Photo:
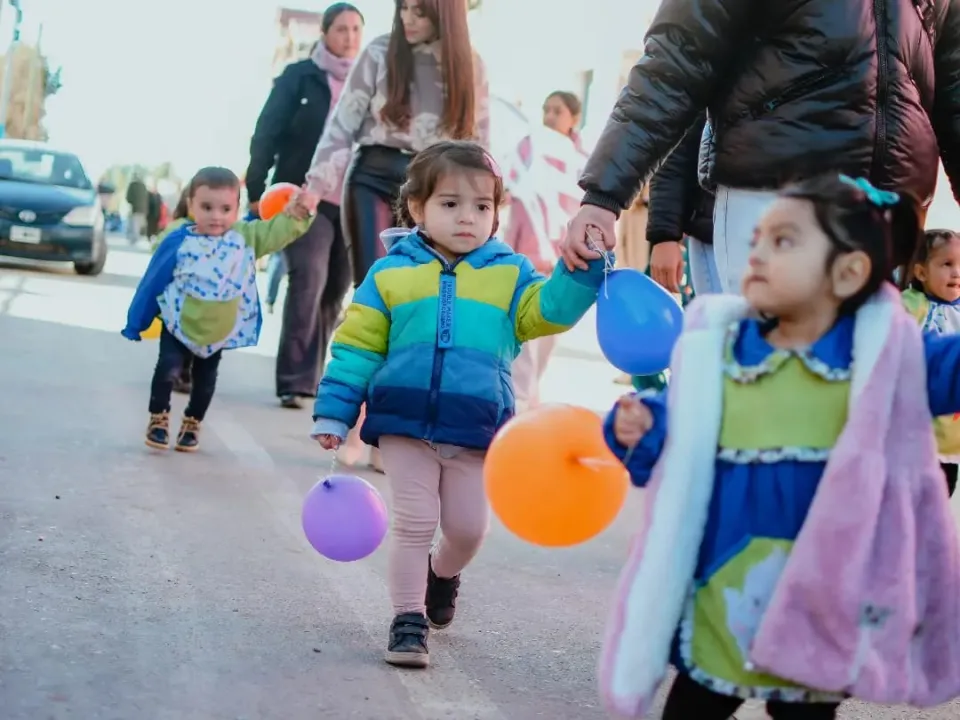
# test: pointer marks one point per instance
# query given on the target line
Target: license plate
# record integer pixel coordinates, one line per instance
(21, 234)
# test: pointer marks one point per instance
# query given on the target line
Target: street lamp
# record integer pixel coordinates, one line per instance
(8, 68)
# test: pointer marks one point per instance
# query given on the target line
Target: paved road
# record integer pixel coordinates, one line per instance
(148, 586)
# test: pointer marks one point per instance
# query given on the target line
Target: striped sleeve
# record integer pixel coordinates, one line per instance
(548, 306)
(359, 349)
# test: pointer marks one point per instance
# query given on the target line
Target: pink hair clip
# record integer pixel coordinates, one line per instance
(493, 165)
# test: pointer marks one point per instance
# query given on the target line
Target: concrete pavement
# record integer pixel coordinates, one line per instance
(139, 585)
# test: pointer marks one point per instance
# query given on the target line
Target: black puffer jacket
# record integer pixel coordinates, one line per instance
(793, 88)
(289, 127)
(678, 205)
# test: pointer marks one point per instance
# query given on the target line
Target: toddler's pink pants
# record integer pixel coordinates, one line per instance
(430, 486)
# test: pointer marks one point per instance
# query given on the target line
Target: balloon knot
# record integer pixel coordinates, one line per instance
(327, 484)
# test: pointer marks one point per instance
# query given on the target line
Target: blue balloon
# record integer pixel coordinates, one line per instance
(638, 323)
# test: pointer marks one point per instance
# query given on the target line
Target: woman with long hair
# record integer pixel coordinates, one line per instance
(289, 128)
(418, 85)
(542, 180)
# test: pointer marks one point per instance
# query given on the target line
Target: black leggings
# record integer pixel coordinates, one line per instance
(689, 700)
(371, 190)
(170, 364)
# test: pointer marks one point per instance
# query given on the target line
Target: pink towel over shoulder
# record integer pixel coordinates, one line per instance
(869, 602)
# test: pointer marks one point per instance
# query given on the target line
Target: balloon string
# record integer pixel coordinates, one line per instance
(608, 263)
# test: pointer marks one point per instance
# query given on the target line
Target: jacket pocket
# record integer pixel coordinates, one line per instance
(208, 322)
(795, 91)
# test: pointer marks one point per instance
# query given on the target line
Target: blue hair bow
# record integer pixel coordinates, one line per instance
(880, 198)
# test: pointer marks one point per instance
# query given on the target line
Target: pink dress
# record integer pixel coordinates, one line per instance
(542, 182)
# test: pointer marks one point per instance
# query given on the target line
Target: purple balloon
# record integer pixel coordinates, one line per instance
(344, 518)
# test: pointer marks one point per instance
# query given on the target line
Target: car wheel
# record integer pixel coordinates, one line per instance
(94, 267)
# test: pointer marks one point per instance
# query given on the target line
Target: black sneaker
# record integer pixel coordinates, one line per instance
(291, 402)
(407, 646)
(188, 439)
(158, 431)
(441, 598)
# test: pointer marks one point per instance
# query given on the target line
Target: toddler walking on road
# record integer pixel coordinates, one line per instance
(201, 282)
(428, 343)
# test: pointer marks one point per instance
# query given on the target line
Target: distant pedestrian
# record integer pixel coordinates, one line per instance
(138, 198)
(290, 125)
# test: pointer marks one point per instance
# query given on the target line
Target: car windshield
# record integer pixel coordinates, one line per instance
(45, 167)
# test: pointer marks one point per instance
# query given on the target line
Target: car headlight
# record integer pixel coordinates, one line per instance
(84, 216)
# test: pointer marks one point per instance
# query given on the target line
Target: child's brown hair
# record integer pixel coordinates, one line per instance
(430, 165)
(213, 177)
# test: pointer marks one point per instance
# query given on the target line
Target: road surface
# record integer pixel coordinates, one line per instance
(139, 585)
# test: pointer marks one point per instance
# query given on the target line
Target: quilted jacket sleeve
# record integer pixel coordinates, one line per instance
(687, 51)
(946, 106)
(272, 123)
(674, 188)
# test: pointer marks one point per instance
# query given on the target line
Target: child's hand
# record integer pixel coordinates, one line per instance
(303, 205)
(328, 442)
(632, 421)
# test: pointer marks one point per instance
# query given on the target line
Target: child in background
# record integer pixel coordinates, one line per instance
(804, 404)
(201, 281)
(428, 343)
(932, 296)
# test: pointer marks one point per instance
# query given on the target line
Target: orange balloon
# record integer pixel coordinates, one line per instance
(275, 199)
(551, 479)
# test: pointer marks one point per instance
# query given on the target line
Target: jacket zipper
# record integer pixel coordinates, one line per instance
(791, 93)
(880, 20)
(445, 301)
(794, 92)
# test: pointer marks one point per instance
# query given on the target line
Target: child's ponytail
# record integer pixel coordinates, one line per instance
(906, 234)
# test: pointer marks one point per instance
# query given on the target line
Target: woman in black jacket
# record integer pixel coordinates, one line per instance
(795, 88)
(680, 208)
(287, 132)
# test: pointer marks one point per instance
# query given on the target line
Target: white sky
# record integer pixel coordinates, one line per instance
(148, 81)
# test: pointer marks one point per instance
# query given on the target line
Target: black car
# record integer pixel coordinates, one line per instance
(49, 209)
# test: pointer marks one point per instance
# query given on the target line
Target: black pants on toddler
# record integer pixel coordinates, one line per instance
(170, 362)
(950, 472)
(689, 700)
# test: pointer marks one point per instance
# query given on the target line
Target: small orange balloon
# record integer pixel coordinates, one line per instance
(275, 199)
(551, 479)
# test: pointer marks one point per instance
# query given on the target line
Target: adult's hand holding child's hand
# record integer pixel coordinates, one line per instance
(591, 226)
(632, 421)
(303, 204)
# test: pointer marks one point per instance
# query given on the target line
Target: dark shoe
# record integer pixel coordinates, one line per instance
(188, 439)
(181, 386)
(407, 646)
(158, 431)
(441, 599)
(291, 402)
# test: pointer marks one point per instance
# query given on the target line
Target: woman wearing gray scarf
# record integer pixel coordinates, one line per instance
(287, 132)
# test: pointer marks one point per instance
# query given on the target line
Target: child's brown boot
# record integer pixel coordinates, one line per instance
(188, 439)
(158, 431)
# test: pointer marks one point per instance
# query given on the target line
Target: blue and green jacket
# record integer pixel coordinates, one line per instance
(428, 344)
